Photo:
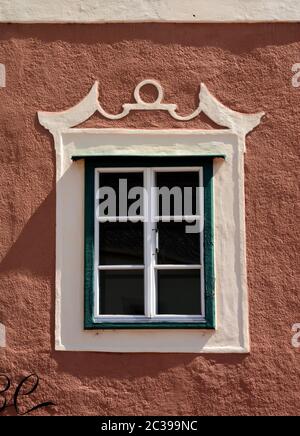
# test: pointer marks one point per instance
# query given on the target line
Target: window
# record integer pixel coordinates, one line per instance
(148, 243)
(83, 152)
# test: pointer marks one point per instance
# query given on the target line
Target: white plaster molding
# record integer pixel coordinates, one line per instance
(235, 121)
(191, 11)
(232, 332)
(2, 336)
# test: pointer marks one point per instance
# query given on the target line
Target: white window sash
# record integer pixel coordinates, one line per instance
(150, 267)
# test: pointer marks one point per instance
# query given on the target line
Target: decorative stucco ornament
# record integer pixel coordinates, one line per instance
(235, 121)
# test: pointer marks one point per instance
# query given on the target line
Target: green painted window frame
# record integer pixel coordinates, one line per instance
(137, 161)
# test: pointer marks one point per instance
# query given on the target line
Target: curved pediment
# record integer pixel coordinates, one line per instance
(235, 121)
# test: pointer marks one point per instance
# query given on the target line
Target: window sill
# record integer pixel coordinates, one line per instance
(149, 325)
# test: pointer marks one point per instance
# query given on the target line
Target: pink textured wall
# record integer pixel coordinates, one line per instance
(248, 67)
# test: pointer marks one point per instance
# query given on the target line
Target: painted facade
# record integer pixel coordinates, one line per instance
(249, 105)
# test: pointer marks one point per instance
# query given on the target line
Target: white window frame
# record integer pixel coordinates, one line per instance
(150, 266)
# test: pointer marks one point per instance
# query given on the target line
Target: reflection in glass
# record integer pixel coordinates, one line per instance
(121, 184)
(122, 292)
(121, 243)
(179, 292)
(176, 246)
(175, 182)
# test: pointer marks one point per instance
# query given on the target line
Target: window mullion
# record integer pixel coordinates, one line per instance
(148, 244)
(153, 227)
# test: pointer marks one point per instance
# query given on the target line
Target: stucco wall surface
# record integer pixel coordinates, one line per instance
(248, 68)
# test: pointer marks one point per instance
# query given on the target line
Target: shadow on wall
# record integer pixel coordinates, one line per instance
(32, 256)
(34, 249)
(185, 34)
(136, 365)
(34, 252)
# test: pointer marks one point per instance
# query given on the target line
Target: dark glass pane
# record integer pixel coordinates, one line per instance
(179, 292)
(176, 246)
(122, 292)
(174, 204)
(122, 183)
(121, 243)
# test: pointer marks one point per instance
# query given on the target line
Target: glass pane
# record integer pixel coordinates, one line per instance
(121, 292)
(172, 199)
(179, 292)
(121, 243)
(121, 187)
(176, 246)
